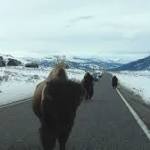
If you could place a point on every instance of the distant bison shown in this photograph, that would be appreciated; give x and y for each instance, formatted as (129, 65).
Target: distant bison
(55, 103)
(88, 84)
(114, 82)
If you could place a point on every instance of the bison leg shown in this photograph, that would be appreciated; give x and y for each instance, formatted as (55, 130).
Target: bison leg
(64, 137)
(62, 145)
(87, 96)
(48, 141)
(91, 92)
(62, 140)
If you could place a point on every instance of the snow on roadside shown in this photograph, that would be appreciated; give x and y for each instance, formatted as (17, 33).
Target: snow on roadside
(138, 82)
(17, 83)
(75, 74)
(15, 91)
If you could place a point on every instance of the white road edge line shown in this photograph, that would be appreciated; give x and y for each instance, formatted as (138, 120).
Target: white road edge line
(136, 116)
(15, 103)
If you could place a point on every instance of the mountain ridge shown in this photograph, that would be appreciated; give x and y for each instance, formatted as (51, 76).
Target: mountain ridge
(84, 63)
(140, 64)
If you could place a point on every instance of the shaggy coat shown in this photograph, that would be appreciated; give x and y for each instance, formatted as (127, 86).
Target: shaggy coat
(114, 82)
(88, 84)
(55, 103)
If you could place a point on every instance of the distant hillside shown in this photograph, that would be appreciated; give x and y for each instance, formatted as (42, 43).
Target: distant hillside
(91, 63)
(72, 62)
(80, 63)
(8, 60)
(140, 64)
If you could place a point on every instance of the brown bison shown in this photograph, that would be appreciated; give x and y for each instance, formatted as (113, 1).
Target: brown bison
(55, 103)
(88, 84)
(114, 82)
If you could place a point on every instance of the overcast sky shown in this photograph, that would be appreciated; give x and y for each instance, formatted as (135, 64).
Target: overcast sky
(83, 27)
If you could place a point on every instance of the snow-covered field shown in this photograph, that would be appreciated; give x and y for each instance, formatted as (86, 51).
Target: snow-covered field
(17, 83)
(138, 82)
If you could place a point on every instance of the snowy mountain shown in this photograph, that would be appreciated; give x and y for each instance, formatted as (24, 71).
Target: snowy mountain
(77, 62)
(140, 64)
(91, 63)
(83, 63)
(72, 62)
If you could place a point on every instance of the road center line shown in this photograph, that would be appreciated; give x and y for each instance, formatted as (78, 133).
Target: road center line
(136, 116)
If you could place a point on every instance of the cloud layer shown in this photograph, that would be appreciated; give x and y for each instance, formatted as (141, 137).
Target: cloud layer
(90, 26)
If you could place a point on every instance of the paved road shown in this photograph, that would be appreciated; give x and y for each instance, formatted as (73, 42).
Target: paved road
(101, 124)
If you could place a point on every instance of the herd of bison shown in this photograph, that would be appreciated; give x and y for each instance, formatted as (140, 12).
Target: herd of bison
(55, 103)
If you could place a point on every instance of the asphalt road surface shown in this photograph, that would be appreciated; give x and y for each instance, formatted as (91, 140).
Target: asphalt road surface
(103, 123)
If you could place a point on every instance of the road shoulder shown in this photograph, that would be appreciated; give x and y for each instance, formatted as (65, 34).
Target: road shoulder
(137, 104)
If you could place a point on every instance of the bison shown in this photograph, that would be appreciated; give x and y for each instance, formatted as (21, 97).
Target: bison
(114, 82)
(88, 84)
(55, 103)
